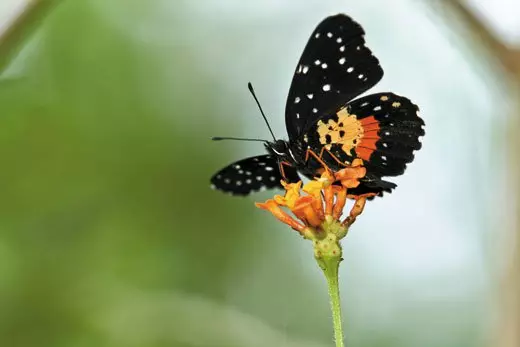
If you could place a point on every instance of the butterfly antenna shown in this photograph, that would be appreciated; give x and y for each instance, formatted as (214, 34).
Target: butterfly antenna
(219, 138)
(250, 86)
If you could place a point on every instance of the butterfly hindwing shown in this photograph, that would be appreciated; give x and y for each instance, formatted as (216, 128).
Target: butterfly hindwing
(381, 129)
(250, 175)
(372, 184)
(335, 67)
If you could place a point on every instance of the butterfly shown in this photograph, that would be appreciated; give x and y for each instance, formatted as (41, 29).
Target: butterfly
(327, 126)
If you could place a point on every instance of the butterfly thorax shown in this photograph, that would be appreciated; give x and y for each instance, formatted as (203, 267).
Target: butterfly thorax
(293, 153)
(281, 150)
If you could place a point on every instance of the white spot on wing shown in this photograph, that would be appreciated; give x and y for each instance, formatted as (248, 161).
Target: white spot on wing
(324, 66)
(268, 168)
(326, 87)
(317, 62)
(377, 108)
(258, 178)
(339, 40)
(342, 49)
(342, 61)
(314, 110)
(360, 76)
(329, 34)
(350, 69)
(305, 69)
(310, 96)
(297, 99)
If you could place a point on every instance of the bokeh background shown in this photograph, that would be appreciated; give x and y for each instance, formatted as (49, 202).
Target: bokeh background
(110, 235)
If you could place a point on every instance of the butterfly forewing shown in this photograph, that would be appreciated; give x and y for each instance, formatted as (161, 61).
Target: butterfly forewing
(249, 175)
(335, 67)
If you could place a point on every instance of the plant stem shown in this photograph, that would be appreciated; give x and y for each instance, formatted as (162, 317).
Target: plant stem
(328, 252)
(21, 28)
(335, 302)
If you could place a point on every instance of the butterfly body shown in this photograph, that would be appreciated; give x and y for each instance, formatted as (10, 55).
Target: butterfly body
(291, 158)
(326, 127)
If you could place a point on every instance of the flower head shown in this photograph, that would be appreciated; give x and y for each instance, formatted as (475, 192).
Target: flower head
(317, 206)
(315, 210)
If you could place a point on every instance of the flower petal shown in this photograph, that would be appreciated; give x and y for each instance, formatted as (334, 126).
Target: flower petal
(271, 206)
(292, 193)
(328, 197)
(351, 173)
(341, 199)
(313, 188)
(304, 210)
(356, 210)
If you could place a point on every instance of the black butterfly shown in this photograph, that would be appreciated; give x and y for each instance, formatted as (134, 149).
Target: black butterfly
(381, 129)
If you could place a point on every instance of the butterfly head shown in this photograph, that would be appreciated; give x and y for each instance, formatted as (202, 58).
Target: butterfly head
(279, 149)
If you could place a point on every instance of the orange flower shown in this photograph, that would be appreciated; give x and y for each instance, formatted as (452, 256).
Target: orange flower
(349, 176)
(273, 207)
(305, 209)
(319, 203)
(292, 193)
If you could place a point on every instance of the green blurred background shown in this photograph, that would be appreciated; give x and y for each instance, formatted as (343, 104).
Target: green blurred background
(110, 235)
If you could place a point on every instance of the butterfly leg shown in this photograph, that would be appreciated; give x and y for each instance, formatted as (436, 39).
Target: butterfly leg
(323, 149)
(310, 153)
(282, 172)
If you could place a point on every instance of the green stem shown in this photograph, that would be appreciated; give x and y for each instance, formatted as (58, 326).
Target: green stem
(328, 252)
(21, 28)
(331, 273)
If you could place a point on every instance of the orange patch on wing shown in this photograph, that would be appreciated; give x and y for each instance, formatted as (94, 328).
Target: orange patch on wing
(346, 131)
(351, 133)
(368, 143)
(369, 121)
